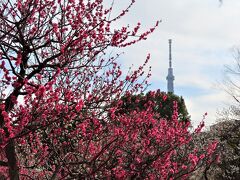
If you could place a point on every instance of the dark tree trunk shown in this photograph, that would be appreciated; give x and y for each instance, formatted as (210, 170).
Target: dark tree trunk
(12, 160)
(10, 152)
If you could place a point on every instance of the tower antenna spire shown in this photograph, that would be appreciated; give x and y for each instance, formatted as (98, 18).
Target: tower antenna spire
(170, 52)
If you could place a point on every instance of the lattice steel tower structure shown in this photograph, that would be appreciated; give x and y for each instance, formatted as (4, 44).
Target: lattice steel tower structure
(170, 78)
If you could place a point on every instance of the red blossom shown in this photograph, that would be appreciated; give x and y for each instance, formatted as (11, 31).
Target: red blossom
(79, 106)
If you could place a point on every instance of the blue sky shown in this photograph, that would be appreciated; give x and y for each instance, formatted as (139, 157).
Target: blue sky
(203, 34)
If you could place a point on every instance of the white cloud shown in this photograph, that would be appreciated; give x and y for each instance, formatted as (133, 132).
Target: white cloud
(206, 103)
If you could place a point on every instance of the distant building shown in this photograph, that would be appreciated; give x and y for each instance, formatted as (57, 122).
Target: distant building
(170, 77)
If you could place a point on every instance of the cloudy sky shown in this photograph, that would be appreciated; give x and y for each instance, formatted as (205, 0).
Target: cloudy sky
(203, 33)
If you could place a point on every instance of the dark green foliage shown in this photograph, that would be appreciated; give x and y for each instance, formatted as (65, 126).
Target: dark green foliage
(161, 101)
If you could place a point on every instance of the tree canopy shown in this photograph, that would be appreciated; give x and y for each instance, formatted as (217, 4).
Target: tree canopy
(163, 104)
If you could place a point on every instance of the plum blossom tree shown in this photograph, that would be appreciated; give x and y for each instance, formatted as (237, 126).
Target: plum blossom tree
(59, 94)
(135, 145)
(228, 133)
